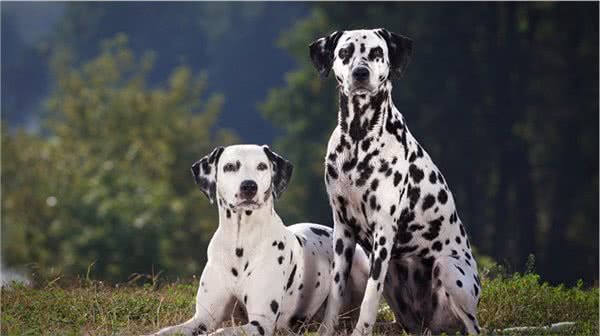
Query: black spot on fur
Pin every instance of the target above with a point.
(259, 328)
(413, 194)
(319, 232)
(434, 229)
(332, 172)
(397, 178)
(374, 184)
(376, 269)
(366, 144)
(274, 307)
(415, 173)
(459, 283)
(339, 246)
(383, 254)
(443, 196)
(239, 252)
(234, 272)
(432, 178)
(200, 329)
(373, 202)
(412, 157)
(349, 253)
(349, 165)
(299, 241)
(291, 277)
(280, 246)
(428, 202)
(436, 246)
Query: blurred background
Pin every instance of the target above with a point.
(105, 106)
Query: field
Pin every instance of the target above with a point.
(93, 308)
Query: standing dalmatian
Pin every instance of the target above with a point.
(388, 195)
(279, 276)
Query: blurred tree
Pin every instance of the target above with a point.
(230, 42)
(503, 96)
(110, 184)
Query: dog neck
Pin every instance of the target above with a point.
(363, 116)
(247, 223)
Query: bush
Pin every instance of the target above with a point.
(110, 183)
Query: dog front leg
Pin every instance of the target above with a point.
(212, 306)
(383, 242)
(344, 245)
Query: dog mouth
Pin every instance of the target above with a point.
(360, 89)
(248, 204)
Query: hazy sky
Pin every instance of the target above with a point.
(32, 20)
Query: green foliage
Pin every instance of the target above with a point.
(110, 184)
(90, 307)
(523, 300)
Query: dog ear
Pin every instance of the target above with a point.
(322, 52)
(282, 172)
(399, 50)
(205, 173)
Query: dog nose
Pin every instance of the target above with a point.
(248, 189)
(360, 74)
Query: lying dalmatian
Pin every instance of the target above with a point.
(388, 195)
(278, 275)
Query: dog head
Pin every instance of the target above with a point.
(362, 60)
(242, 176)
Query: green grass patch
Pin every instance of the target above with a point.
(91, 307)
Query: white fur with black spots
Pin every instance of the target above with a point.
(279, 276)
(388, 195)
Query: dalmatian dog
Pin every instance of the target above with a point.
(279, 276)
(388, 195)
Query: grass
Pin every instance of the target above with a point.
(93, 308)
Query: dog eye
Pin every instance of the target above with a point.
(262, 166)
(229, 167)
(343, 53)
(378, 53)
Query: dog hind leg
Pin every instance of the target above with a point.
(455, 295)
